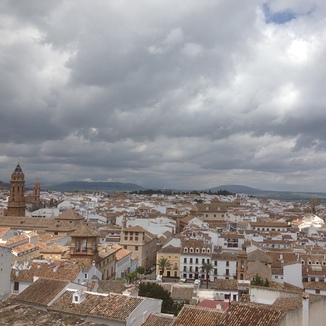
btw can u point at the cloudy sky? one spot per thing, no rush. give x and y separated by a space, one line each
177 94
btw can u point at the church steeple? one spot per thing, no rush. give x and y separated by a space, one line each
16 201
36 195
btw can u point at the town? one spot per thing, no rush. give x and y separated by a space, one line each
92 258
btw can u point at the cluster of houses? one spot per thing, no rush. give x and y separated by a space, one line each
59 256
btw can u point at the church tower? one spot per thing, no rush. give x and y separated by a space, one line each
36 195
16 201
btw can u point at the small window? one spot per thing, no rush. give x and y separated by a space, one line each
191 249
136 248
185 249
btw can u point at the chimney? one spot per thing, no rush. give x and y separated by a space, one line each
305 309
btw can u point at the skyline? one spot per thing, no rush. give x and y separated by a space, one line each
176 94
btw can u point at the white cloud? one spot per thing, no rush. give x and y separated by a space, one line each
164 94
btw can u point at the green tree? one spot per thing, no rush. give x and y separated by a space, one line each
207 268
163 263
140 270
258 281
177 306
156 291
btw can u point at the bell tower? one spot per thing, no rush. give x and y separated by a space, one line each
16 201
36 195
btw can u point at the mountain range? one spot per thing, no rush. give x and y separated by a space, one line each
110 187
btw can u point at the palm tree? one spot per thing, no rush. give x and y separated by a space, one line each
207 268
163 263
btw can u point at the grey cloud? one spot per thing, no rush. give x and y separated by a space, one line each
163 93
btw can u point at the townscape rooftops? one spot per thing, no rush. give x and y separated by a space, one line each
70 214
83 230
41 292
3 231
226 285
65 303
197 316
44 270
181 292
159 319
240 314
116 306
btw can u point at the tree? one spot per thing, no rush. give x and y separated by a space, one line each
207 268
156 291
163 263
258 281
140 270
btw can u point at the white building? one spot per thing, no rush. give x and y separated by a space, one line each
5 270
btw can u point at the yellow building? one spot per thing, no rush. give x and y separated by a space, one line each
172 254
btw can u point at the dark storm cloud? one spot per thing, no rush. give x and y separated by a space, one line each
169 94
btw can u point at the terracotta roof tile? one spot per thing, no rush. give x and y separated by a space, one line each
197 316
63 272
240 314
116 306
159 319
41 292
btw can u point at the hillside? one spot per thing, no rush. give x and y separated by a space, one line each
4 185
94 186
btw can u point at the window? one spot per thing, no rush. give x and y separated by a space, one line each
136 248
190 260
16 286
227 263
208 250
203 261
191 249
184 268
196 260
185 249
197 250
215 271
203 250
185 260
215 262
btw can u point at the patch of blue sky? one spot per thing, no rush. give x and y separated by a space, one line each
280 17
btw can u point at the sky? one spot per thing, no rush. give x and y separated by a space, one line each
165 94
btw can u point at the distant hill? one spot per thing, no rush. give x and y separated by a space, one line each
269 194
94 186
236 189
4 185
